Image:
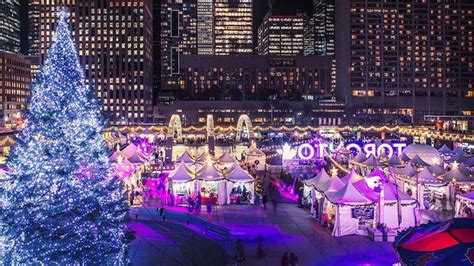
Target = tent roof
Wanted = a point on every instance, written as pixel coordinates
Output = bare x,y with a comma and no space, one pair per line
185,157
226,158
426,177
418,161
360,157
436,170
204,157
320,178
460,174
404,157
444,149
254,151
181,173
208,172
342,149
394,161
468,196
352,176
390,194
407,170
147,131
348,195
371,162
239,174
469,162
425,152
365,190
378,172
130,150
459,157
458,149
333,185
136,159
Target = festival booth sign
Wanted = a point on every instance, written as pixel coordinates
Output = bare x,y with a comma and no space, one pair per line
240,181
446,243
209,182
255,156
464,206
346,208
182,182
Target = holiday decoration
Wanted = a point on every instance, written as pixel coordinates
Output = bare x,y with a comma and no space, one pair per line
61,206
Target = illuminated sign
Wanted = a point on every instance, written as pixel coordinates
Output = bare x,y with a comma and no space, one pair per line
308,151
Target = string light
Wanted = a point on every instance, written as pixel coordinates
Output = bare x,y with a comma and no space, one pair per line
61,206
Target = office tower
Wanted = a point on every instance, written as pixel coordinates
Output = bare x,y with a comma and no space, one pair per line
406,57
10,26
324,27
205,27
15,79
114,39
281,33
233,27
308,38
156,50
178,37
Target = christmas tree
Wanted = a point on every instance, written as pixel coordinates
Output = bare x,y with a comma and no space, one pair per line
61,206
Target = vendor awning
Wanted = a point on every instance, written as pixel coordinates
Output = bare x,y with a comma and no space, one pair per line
333,185
436,170
408,170
182,173
208,172
352,177
253,151
459,174
239,175
185,157
319,179
392,194
348,195
226,158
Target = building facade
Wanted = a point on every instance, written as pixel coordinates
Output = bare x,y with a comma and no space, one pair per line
178,38
15,79
256,77
407,57
233,27
114,40
205,27
10,26
281,33
324,27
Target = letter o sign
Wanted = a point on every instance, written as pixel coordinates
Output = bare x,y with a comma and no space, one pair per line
305,151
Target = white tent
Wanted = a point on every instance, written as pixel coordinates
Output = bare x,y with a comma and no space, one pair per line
389,214
182,173
253,156
226,158
360,157
182,182
444,149
319,179
204,157
394,161
186,157
333,185
464,206
345,201
436,170
371,162
407,170
427,153
460,174
240,177
209,176
352,177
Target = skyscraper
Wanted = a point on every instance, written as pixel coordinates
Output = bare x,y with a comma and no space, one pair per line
205,27
114,39
233,27
10,26
178,37
406,57
281,33
324,27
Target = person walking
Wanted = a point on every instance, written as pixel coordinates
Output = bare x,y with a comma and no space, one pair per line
209,211
264,201
285,260
293,259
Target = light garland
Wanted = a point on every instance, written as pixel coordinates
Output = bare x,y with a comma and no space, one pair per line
61,206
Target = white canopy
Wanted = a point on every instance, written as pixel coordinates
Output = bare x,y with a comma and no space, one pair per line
445,149
204,157
185,157
348,195
253,151
365,190
394,161
436,170
425,152
461,174
352,177
182,173
427,178
407,170
239,174
226,157
208,172
371,162
418,161
391,195
332,185
319,179
147,131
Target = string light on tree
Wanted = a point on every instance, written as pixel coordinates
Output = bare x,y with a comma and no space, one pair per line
61,207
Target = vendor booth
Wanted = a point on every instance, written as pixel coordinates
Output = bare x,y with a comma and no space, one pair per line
352,177
211,184
182,183
255,156
186,157
240,186
349,211
395,209
464,206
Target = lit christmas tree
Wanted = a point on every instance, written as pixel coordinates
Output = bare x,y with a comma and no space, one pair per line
61,206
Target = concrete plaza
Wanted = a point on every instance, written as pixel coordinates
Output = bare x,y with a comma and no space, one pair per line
289,229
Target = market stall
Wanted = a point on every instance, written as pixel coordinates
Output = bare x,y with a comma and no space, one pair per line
464,206
352,177
395,209
349,211
185,157
211,184
181,182
240,186
254,156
